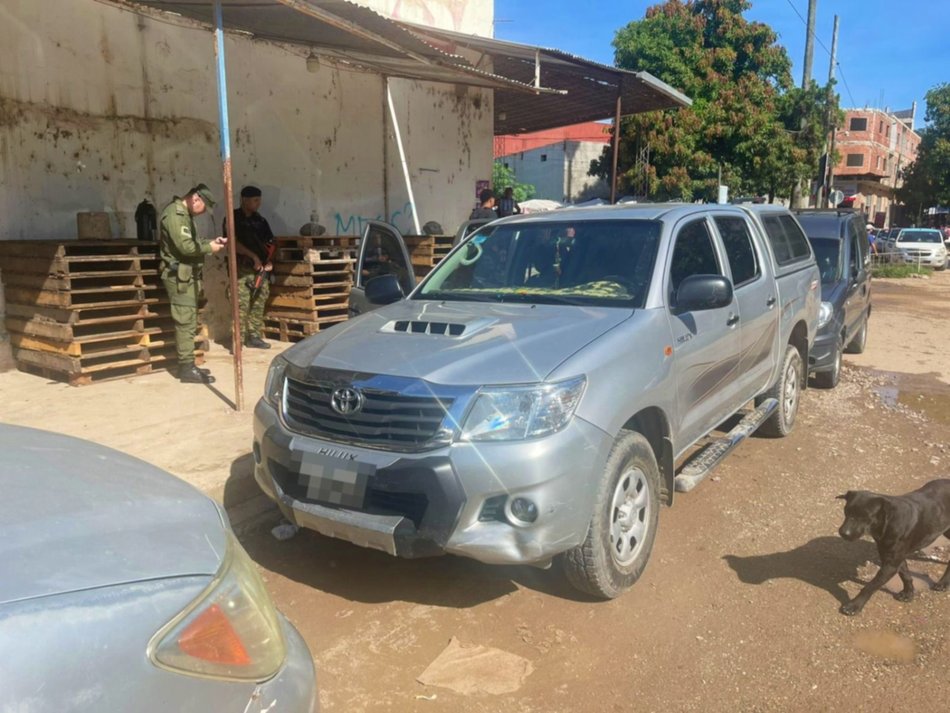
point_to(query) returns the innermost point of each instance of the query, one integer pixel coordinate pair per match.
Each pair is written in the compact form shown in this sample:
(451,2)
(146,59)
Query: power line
(825,48)
(843,79)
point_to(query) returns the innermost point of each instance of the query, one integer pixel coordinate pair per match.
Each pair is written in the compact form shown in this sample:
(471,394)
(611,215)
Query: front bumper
(452,499)
(295,686)
(937,261)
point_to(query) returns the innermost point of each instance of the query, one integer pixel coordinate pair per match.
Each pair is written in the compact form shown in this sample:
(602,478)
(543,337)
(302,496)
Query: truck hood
(459,343)
(75,515)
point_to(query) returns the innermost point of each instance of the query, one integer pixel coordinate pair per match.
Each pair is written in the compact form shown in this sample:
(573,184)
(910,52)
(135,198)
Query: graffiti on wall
(353,224)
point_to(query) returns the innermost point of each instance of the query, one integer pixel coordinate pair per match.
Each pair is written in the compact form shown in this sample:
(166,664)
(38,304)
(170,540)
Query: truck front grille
(386,419)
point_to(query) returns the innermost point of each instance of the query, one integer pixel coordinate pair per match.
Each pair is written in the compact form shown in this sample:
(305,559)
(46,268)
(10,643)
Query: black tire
(613,556)
(787,390)
(860,340)
(829,379)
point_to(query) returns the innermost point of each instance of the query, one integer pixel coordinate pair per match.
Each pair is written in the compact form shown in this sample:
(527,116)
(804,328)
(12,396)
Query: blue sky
(886,48)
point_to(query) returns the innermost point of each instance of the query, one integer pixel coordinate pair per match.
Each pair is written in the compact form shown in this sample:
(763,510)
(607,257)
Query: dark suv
(843,253)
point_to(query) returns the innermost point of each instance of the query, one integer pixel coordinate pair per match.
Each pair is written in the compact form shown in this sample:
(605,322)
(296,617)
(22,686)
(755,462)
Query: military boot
(256,343)
(191,374)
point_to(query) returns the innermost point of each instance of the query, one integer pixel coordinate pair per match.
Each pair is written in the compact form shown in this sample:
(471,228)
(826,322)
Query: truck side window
(854,257)
(694,254)
(860,235)
(739,249)
(797,241)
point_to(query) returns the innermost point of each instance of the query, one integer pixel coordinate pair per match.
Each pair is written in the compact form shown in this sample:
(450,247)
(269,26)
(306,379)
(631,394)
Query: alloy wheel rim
(630,511)
(790,400)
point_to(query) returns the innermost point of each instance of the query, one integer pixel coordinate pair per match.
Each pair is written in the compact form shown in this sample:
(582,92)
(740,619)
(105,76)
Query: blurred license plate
(333,479)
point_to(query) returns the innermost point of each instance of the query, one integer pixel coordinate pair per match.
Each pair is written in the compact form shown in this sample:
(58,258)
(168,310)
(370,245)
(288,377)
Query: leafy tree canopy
(503,177)
(927,180)
(746,118)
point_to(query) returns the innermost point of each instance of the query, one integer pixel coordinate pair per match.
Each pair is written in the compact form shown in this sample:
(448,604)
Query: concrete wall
(559,171)
(101,107)
(474,17)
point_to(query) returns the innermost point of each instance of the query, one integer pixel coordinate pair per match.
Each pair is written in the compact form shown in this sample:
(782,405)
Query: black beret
(250,192)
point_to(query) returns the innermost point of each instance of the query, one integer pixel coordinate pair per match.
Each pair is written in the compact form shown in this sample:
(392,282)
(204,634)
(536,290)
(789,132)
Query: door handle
(733,319)
(770,302)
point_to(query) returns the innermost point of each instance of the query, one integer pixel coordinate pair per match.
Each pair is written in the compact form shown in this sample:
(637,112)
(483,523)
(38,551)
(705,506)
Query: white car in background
(920,246)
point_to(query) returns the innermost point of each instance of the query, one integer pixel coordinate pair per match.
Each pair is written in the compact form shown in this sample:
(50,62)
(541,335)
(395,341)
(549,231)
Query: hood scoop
(436,328)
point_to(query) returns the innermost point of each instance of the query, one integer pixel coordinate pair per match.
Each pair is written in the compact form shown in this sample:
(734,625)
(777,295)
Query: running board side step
(706,460)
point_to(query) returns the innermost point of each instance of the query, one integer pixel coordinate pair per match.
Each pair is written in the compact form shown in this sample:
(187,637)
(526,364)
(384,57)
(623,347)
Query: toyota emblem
(346,401)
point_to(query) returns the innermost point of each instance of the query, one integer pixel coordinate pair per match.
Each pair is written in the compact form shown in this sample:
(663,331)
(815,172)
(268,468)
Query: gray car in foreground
(531,397)
(123,589)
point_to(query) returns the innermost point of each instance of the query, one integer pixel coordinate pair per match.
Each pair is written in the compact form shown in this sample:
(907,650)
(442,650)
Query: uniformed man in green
(182,254)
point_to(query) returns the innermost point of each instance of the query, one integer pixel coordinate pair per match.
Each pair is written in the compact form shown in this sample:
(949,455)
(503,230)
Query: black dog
(899,525)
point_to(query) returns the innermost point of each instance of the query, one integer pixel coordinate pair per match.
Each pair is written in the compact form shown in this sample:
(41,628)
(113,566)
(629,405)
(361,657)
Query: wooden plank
(86,379)
(309,315)
(76,281)
(10,264)
(84,346)
(68,332)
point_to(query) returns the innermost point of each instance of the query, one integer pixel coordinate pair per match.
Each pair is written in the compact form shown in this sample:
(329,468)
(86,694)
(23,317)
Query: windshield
(919,236)
(828,257)
(590,262)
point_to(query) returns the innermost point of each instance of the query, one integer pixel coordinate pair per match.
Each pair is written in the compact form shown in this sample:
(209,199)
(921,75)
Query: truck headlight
(825,312)
(516,413)
(231,631)
(274,386)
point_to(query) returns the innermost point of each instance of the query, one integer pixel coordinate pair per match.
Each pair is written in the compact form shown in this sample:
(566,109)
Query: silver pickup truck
(546,388)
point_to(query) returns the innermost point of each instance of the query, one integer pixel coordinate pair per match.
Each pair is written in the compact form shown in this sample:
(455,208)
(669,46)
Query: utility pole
(832,125)
(809,43)
(797,189)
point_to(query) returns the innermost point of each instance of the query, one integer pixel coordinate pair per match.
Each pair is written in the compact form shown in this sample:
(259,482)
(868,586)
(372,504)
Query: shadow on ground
(825,563)
(358,574)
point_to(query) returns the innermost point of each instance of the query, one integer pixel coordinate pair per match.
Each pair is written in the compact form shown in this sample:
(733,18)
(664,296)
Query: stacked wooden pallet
(86,311)
(427,251)
(312,281)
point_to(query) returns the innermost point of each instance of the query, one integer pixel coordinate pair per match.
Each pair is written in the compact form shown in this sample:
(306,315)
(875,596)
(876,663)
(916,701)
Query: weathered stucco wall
(101,107)
(474,17)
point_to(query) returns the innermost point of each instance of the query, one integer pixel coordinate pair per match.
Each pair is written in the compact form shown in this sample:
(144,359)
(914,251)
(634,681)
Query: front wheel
(787,390)
(829,379)
(623,526)
(860,340)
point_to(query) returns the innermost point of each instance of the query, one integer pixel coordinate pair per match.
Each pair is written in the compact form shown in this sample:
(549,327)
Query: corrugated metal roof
(591,88)
(345,29)
(571,89)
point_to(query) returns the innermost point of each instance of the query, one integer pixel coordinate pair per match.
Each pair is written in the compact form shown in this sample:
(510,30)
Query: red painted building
(875,146)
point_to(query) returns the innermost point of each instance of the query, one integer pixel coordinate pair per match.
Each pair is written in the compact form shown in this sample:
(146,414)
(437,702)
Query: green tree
(743,122)
(927,179)
(503,177)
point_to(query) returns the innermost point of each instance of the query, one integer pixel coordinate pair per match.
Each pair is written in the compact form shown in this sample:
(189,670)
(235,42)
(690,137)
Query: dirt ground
(738,609)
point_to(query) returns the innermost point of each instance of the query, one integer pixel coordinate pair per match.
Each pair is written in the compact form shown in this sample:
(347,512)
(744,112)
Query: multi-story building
(875,147)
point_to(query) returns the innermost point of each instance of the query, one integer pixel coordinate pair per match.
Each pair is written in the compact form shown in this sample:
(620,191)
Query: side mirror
(701,292)
(384,290)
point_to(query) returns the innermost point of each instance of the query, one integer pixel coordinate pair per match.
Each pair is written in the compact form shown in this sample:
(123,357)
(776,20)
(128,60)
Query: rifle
(259,278)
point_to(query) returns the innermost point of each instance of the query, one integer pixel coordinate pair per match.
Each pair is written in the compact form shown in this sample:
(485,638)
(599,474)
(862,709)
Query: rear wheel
(829,379)
(787,390)
(623,526)
(860,340)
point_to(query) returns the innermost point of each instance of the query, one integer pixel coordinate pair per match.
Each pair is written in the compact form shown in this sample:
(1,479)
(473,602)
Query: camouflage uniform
(182,255)
(254,233)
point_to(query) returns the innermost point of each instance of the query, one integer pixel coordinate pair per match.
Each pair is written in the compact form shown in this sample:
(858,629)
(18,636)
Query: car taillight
(230,631)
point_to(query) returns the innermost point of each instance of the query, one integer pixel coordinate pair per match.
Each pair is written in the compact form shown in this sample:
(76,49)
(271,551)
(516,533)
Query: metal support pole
(402,158)
(537,69)
(613,170)
(385,81)
(225,131)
